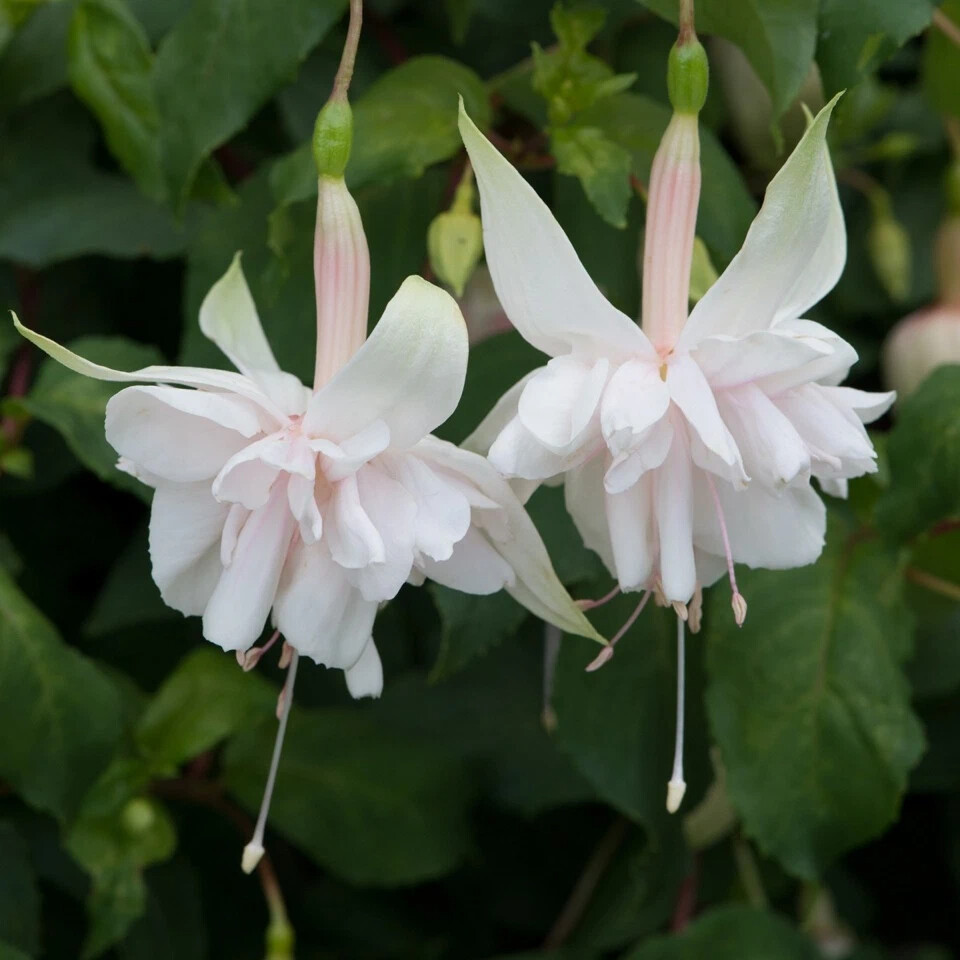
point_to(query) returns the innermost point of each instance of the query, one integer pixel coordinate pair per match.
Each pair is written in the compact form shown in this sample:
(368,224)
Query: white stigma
(253,851)
(677,787)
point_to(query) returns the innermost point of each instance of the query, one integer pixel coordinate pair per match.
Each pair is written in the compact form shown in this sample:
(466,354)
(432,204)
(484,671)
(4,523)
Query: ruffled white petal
(176,434)
(186,525)
(474,566)
(673,503)
(351,535)
(493,424)
(543,286)
(793,254)
(238,609)
(409,373)
(650,450)
(365,677)
(584,494)
(319,612)
(518,453)
(559,402)
(632,534)
(635,399)
(731,361)
(342,459)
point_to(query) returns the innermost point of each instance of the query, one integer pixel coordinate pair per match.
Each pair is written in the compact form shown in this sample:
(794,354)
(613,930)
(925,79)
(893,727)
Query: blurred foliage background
(143,142)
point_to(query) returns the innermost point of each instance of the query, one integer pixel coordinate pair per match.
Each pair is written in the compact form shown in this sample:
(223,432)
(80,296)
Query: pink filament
(723,533)
(593,604)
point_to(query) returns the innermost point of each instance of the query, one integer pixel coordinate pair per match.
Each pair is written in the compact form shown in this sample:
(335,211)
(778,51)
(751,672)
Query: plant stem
(946,26)
(934,583)
(341,82)
(586,884)
(749,873)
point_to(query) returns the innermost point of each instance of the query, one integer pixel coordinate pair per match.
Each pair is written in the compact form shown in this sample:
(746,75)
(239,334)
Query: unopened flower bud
(688,75)
(920,343)
(889,246)
(138,816)
(332,138)
(455,240)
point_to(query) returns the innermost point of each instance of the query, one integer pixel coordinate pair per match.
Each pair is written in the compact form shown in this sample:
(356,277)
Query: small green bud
(703,274)
(455,240)
(889,246)
(332,138)
(688,75)
(138,816)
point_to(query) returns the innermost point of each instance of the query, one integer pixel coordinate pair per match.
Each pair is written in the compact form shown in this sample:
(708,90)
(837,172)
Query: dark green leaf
(941,65)
(808,702)
(924,455)
(854,39)
(601,166)
(19,895)
(778,37)
(54,204)
(111,71)
(35,63)
(373,807)
(731,933)
(207,698)
(74,405)
(9,952)
(65,712)
(220,64)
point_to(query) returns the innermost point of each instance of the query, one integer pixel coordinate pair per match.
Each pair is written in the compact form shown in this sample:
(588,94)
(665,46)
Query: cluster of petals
(726,413)
(319,505)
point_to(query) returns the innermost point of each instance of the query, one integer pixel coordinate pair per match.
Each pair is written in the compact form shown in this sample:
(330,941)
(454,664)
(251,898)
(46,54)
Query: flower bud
(889,246)
(687,75)
(332,138)
(138,816)
(920,343)
(455,240)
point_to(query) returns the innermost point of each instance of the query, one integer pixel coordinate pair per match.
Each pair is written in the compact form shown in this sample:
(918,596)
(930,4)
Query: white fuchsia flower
(685,443)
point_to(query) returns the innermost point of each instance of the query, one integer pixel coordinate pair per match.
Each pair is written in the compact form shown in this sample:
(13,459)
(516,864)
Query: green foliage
(74,405)
(924,455)
(497,797)
(64,710)
(731,933)
(373,807)
(808,703)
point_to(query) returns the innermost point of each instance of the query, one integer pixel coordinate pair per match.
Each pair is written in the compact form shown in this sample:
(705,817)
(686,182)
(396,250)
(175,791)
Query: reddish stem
(686,903)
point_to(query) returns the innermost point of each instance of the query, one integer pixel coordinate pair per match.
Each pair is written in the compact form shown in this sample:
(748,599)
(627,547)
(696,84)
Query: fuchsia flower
(686,443)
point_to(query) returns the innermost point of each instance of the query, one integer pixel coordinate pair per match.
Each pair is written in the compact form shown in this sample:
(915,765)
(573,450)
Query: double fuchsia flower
(318,505)
(686,443)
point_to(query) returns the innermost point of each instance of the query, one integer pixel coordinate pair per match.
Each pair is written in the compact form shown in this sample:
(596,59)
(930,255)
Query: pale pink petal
(365,677)
(518,453)
(176,434)
(474,567)
(319,612)
(342,459)
(303,505)
(584,495)
(650,450)
(238,609)
(630,519)
(185,529)
(731,361)
(635,398)
(350,534)
(673,503)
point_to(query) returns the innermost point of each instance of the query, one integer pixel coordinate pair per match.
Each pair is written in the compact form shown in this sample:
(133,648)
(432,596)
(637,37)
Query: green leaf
(924,455)
(55,204)
(220,63)
(206,699)
(778,37)
(19,894)
(110,69)
(854,39)
(601,166)
(941,66)
(74,405)
(726,208)
(114,844)
(172,923)
(808,702)
(731,933)
(404,123)
(33,65)
(371,806)
(65,712)
(617,724)
(470,626)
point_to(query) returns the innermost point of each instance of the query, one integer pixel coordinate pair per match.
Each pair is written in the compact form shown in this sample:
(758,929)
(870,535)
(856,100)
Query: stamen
(593,604)
(695,610)
(248,659)
(607,652)
(253,851)
(736,601)
(677,787)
